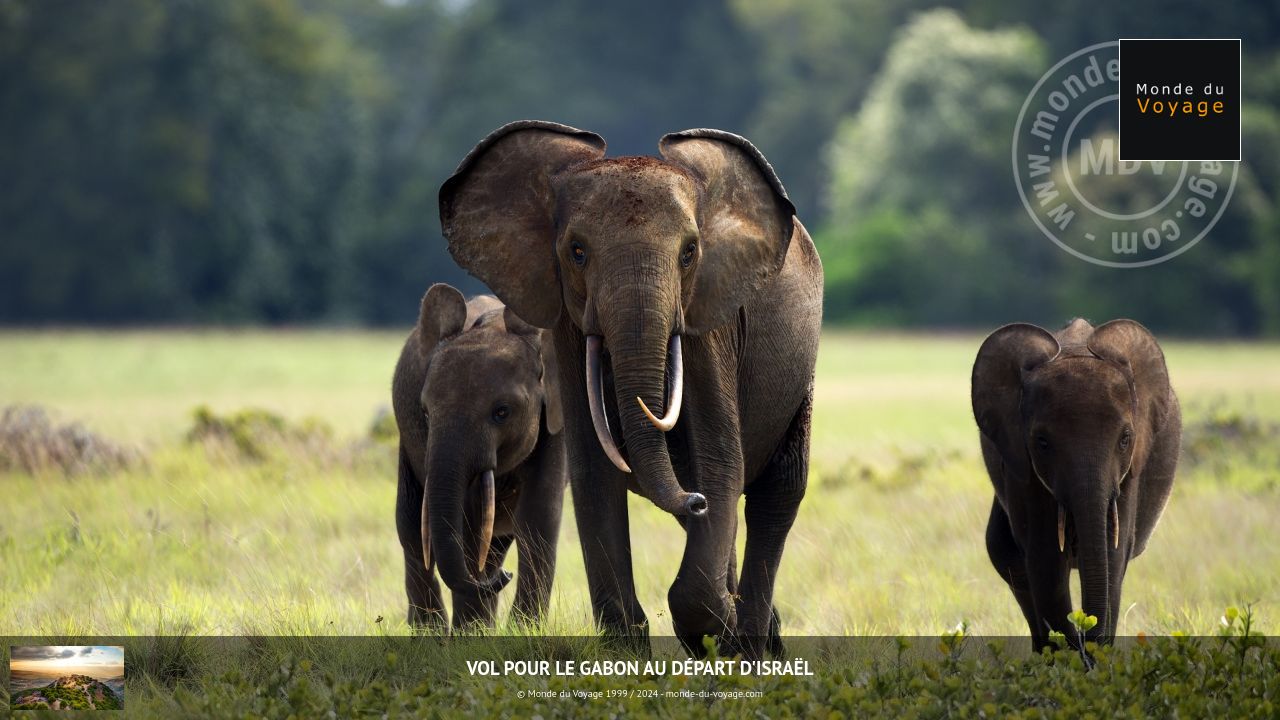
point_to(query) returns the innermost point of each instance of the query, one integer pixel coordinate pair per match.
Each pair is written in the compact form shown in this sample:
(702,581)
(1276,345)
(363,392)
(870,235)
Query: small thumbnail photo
(66,677)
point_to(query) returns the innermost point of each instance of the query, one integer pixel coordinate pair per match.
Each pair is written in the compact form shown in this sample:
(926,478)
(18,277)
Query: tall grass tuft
(32,443)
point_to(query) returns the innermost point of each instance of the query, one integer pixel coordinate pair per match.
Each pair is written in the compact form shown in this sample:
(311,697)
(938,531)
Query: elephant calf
(1080,433)
(482,460)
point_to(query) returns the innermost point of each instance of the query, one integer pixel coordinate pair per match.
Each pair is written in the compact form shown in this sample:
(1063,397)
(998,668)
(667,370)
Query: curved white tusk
(426,533)
(486,520)
(675,362)
(1062,529)
(1115,523)
(595,398)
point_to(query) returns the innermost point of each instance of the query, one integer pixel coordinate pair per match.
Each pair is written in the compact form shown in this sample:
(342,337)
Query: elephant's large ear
(1135,350)
(551,385)
(996,391)
(745,220)
(442,315)
(497,211)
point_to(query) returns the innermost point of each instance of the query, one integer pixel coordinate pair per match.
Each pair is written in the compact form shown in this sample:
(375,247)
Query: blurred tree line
(277,161)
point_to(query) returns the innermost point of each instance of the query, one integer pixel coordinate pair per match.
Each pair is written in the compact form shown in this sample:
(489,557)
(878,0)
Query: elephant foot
(624,630)
(709,631)
(754,647)
(734,646)
(698,612)
(775,646)
(694,647)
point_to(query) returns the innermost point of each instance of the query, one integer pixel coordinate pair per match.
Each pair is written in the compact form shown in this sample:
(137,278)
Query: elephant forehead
(628,191)
(483,358)
(1087,385)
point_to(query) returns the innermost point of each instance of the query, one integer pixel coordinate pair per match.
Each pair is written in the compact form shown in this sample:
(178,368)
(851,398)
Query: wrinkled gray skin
(701,245)
(463,361)
(1085,421)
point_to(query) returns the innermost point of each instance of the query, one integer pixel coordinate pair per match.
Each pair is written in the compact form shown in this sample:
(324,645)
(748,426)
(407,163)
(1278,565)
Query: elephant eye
(1042,442)
(500,413)
(1125,440)
(689,253)
(578,252)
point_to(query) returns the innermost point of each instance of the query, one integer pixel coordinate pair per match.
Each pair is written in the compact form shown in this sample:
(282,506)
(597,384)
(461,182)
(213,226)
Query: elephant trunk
(638,318)
(642,376)
(595,397)
(1094,534)
(446,530)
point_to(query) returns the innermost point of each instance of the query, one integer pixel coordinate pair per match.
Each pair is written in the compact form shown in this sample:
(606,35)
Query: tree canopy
(277,161)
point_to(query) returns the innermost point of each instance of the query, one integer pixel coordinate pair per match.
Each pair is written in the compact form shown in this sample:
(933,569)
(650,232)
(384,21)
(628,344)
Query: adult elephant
(685,301)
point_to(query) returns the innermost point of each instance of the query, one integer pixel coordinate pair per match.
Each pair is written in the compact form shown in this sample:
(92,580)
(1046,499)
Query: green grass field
(889,539)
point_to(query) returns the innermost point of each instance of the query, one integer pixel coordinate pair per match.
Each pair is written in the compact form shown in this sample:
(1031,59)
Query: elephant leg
(1118,568)
(479,610)
(1049,575)
(731,574)
(773,501)
(600,510)
(537,521)
(700,598)
(426,603)
(1010,563)
(728,645)
(599,493)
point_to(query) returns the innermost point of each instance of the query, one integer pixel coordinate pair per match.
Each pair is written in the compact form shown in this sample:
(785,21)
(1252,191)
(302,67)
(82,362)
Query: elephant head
(1078,420)
(634,252)
(485,401)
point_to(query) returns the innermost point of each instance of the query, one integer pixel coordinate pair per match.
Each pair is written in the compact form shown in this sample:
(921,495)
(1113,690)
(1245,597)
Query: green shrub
(253,432)
(256,435)
(1226,432)
(383,429)
(1233,447)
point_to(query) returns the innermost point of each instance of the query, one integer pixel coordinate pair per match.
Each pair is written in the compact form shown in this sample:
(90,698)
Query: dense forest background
(277,161)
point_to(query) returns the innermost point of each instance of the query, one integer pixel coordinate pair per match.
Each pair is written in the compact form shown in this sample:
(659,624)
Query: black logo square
(1179,100)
